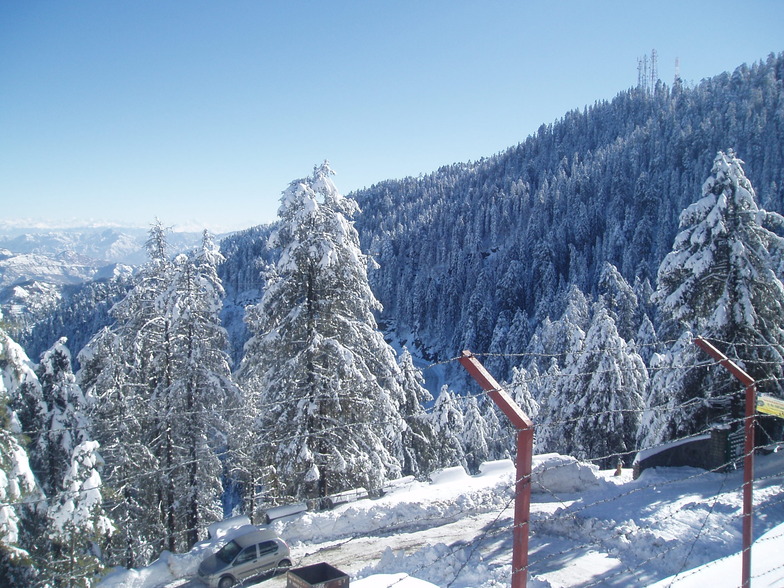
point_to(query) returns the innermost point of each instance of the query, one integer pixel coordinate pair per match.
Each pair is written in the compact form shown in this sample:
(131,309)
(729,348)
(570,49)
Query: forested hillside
(476,255)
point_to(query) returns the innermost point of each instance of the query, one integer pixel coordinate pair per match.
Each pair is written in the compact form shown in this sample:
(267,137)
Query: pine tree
(674,370)
(559,339)
(327,382)
(61,424)
(448,423)
(607,382)
(620,300)
(547,391)
(162,380)
(419,457)
(201,389)
(498,363)
(519,334)
(720,281)
(79,525)
(646,341)
(19,491)
(127,368)
(501,437)
(520,391)
(118,414)
(474,437)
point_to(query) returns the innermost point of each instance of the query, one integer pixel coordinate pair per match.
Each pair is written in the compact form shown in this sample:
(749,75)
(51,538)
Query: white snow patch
(590,528)
(391,581)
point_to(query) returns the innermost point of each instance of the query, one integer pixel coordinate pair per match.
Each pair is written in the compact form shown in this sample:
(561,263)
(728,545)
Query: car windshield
(228,552)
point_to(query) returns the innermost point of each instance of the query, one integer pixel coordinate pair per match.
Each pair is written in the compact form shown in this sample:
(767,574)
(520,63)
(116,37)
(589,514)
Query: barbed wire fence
(700,529)
(573,512)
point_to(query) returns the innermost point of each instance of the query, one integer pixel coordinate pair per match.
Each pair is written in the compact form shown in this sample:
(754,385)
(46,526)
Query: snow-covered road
(589,528)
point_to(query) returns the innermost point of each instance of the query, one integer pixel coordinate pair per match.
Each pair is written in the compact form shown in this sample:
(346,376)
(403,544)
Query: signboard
(735,442)
(770,405)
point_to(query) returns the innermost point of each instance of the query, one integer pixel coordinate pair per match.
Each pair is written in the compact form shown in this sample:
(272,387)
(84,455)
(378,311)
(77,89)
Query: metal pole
(748,482)
(525,449)
(522,512)
(748,448)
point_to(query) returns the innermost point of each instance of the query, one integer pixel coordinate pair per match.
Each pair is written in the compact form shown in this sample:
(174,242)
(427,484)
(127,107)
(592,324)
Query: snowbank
(765,571)
(169,567)
(561,474)
(437,565)
(390,580)
(602,530)
(449,494)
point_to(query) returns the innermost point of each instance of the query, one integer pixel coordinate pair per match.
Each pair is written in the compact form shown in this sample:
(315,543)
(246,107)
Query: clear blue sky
(203,112)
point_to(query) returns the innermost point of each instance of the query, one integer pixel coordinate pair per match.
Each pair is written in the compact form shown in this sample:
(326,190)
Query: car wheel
(226,582)
(283,565)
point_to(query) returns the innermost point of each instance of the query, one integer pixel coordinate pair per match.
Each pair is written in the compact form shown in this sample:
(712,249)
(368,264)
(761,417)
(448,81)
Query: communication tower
(642,73)
(654,70)
(648,72)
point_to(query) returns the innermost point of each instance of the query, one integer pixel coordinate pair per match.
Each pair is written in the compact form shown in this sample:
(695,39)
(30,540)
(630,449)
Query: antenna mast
(642,73)
(648,75)
(654,70)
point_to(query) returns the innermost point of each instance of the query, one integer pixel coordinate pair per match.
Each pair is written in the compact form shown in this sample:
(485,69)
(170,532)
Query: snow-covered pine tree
(720,281)
(474,436)
(674,370)
(556,345)
(17,482)
(620,300)
(79,526)
(161,378)
(606,382)
(520,392)
(498,362)
(558,339)
(328,413)
(646,342)
(61,424)
(419,457)
(501,437)
(447,421)
(127,369)
(118,414)
(502,434)
(158,360)
(546,390)
(519,334)
(200,390)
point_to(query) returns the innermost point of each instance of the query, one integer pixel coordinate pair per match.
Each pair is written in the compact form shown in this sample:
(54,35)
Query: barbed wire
(265,406)
(700,530)
(277,440)
(663,407)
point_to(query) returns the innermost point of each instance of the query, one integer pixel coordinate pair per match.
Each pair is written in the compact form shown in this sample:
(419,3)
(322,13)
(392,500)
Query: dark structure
(320,575)
(717,450)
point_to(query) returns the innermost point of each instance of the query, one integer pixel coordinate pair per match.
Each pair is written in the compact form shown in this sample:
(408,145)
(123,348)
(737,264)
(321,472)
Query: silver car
(249,554)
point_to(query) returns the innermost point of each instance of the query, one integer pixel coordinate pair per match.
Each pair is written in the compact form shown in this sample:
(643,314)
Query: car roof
(254,535)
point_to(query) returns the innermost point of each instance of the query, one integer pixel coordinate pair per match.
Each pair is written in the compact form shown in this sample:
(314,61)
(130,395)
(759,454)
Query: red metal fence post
(525,449)
(748,448)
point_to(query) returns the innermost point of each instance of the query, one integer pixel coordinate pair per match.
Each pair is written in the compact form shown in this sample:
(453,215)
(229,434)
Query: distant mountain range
(38,265)
(93,246)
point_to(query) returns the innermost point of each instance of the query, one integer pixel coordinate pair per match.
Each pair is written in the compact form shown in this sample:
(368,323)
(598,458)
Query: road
(358,553)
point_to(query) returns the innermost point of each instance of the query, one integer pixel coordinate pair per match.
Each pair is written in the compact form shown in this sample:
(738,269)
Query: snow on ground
(676,527)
